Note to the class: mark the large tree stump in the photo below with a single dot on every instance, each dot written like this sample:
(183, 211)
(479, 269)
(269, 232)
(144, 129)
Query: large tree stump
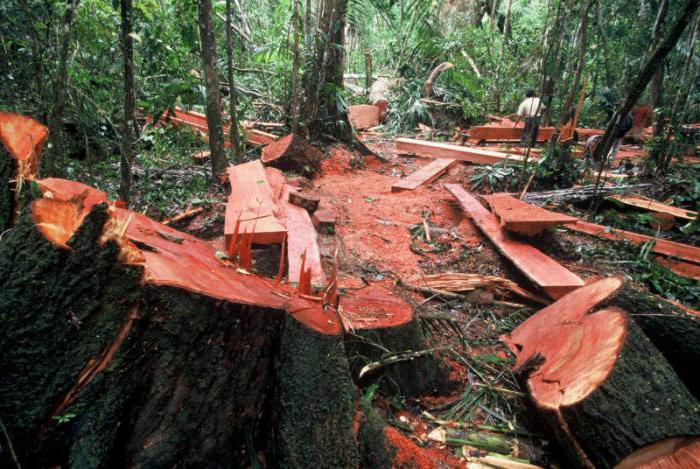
(292, 153)
(606, 391)
(128, 343)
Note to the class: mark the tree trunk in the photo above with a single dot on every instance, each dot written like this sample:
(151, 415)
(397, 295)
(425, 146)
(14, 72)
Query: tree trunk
(296, 62)
(291, 153)
(657, 80)
(234, 134)
(55, 149)
(127, 155)
(616, 395)
(37, 50)
(368, 70)
(211, 83)
(581, 62)
(639, 84)
(609, 83)
(324, 79)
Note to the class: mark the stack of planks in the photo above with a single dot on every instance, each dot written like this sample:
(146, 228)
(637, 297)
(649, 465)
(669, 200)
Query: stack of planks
(501, 133)
(258, 211)
(543, 271)
(523, 218)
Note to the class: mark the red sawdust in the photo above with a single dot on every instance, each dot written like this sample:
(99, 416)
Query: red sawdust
(372, 222)
(408, 454)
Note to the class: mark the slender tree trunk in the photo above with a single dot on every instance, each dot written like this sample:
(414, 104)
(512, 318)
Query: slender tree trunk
(296, 62)
(606, 48)
(368, 70)
(642, 80)
(51, 157)
(506, 25)
(583, 22)
(211, 83)
(549, 84)
(233, 124)
(127, 12)
(657, 81)
(494, 12)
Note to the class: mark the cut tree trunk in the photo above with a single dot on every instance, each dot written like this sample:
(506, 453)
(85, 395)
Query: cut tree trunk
(162, 355)
(605, 390)
(292, 153)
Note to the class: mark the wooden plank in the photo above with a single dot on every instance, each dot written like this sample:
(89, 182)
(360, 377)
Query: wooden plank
(521, 217)
(364, 116)
(445, 150)
(252, 205)
(496, 133)
(424, 175)
(302, 243)
(684, 269)
(653, 206)
(542, 270)
(661, 246)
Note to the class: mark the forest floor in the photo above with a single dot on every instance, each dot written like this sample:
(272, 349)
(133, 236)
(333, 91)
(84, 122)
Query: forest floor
(380, 239)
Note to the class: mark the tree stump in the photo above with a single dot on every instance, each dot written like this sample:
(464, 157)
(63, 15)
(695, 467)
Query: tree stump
(128, 343)
(606, 391)
(292, 153)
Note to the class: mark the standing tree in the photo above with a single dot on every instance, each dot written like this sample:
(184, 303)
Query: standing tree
(233, 123)
(582, 26)
(657, 81)
(322, 110)
(59, 92)
(211, 84)
(127, 12)
(296, 61)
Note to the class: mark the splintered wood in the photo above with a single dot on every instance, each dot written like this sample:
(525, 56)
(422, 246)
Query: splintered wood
(425, 175)
(653, 206)
(444, 150)
(523, 218)
(251, 208)
(542, 270)
(461, 282)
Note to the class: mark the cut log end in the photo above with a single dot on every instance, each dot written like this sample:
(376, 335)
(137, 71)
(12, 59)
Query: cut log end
(291, 153)
(679, 452)
(374, 308)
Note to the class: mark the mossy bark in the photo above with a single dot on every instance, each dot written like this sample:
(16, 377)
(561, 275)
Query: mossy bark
(673, 331)
(422, 375)
(7, 193)
(641, 402)
(187, 380)
(374, 452)
(315, 401)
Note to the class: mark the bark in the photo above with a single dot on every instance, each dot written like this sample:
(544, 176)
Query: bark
(324, 78)
(580, 63)
(506, 25)
(153, 376)
(640, 82)
(234, 134)
(296, 62)
(127, 154)
(54, 150)
(657, 80)
(7, 190)
(211, 83)
(674, 331)
(37, 50)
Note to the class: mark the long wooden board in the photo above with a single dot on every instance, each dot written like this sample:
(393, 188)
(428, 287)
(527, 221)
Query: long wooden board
(684, 269)
(653, 206)
(542, 270)
(252, 205)
(661, 246)
(302, 243)
(445, 150)
(425, 175)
